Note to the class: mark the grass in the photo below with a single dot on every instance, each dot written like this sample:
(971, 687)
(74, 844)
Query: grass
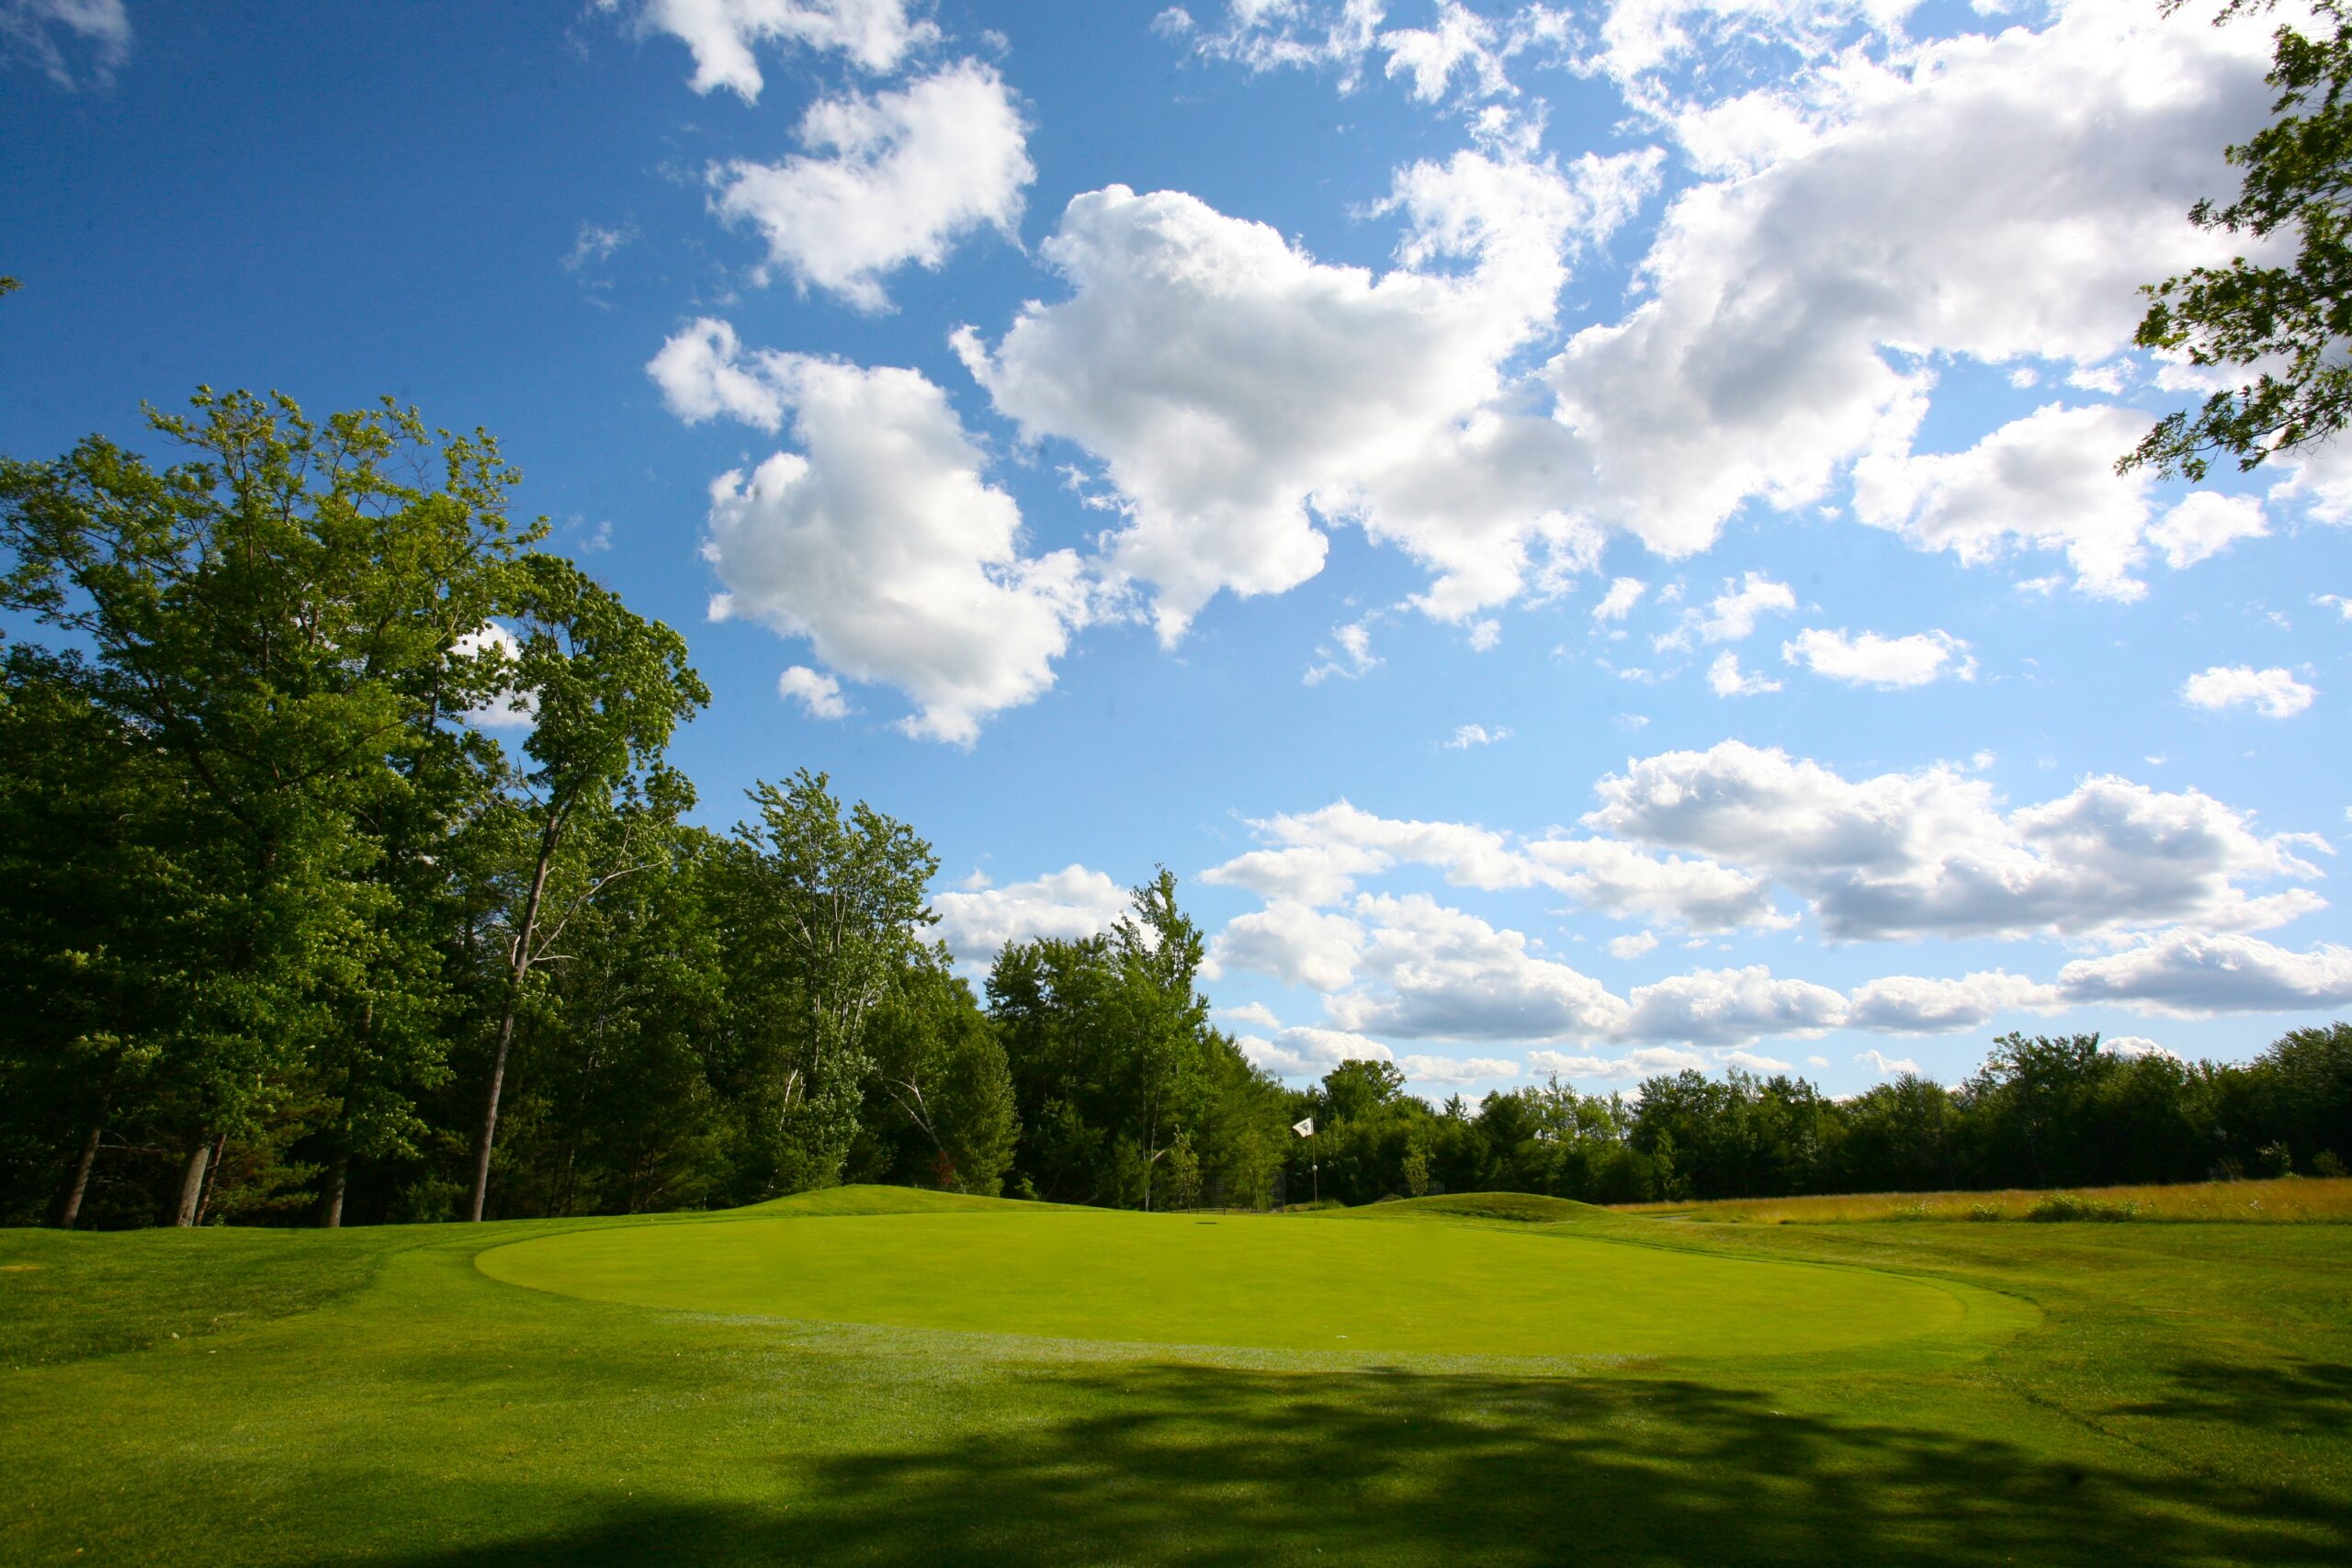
(2169, 1394)
(2293, 1199)
(1247, 1281)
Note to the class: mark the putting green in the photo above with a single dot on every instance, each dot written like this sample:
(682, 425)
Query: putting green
(1429, 1288)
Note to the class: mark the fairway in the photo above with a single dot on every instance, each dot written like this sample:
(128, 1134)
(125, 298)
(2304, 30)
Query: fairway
(1254, 1281)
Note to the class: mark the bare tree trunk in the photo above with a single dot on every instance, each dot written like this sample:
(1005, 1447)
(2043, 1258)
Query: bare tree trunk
(338, 1177)
(490, 1111)
(211, 1177)
(70, 1210)
(518, 971)
(192, 1181)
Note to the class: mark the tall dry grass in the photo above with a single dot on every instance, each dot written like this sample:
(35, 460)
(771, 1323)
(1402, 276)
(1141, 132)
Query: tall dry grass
(2294, 1199)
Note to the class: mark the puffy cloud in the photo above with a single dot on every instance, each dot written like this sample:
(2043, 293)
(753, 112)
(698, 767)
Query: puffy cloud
(1439, 974)
(1470, 856)
(1307, 873)
(1453, 1072)
(1887, 1067)
(880, 541)
(2276, 694)
(2204, 525)
(1794, 314)
(1321, 854)
(1725, 679)
(509, 709)
(723, 34)
(1344, 36)
(1643, 1064)
(1907, 1004)
(1253, 1012)
(1073, 902)
(1235, 389)
(2189, 973)
(1624, 593)
(1888, 663)
(819, 696)
(76, 44)
(1755, 1062)
(1353, 658)
(1291, 942)
(1731, 615)
(704, 372)
(1620, 880)
(2046, 482)
(1632, 945)
(1471, 735)
(1730, 1006)
(1934, 852)
(891, 178)
(1308, 1052)
(2134, 1045)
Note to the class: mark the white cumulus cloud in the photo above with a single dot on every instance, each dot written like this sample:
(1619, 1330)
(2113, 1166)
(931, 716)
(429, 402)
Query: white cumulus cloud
(819, 695)
(1888, 663)
(724, 35)
(1935, 852)
(2275, 694)
(890, 178)
(1074, 902)
(880, 541)
(2189, 973)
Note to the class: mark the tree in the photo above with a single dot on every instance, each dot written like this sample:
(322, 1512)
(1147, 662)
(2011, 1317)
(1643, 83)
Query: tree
(2284, 326)
(825, 911)
(942, 1088)
(264, 623)
(605, 689)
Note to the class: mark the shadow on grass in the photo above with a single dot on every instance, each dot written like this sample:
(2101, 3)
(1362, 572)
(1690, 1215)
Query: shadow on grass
(2313, 1397)
(1198, 1466)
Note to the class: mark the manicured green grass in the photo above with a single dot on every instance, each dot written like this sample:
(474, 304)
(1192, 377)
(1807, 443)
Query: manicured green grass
(1253, 1281)
(2154, 1394)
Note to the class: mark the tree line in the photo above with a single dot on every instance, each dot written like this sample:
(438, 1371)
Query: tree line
(289, 934)
(2040, 1111)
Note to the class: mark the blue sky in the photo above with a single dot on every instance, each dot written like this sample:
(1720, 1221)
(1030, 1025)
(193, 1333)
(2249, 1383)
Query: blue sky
(1585, 534)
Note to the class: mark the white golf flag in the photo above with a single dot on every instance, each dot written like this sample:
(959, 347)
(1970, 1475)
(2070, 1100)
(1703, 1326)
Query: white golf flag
(1303, 1129)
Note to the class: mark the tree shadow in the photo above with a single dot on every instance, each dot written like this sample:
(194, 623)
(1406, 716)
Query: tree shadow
(2313, 1397)
(1209, 1467)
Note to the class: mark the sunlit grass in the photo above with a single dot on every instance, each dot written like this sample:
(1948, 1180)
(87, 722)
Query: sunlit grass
(380, 1398)
(2294, 1199)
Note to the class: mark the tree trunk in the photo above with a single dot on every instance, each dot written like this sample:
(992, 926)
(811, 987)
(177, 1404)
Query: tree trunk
(338, 1177)
(211, 1177)
(490, 1111)
(518, 971)
(71, 1209)
(192, 1181)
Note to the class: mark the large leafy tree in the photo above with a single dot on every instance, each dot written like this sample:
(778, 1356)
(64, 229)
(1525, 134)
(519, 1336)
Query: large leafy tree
(604, 689)
(2281, 323)
(266, 623)
(825, 911)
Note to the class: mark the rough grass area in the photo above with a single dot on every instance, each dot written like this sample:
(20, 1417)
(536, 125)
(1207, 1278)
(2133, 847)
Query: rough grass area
(2171, 1395)
(2294, 1199)
(1520, 1208)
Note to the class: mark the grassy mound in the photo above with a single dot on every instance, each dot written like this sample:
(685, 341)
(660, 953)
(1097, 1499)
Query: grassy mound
(861, 1200)
(1247, 1281)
